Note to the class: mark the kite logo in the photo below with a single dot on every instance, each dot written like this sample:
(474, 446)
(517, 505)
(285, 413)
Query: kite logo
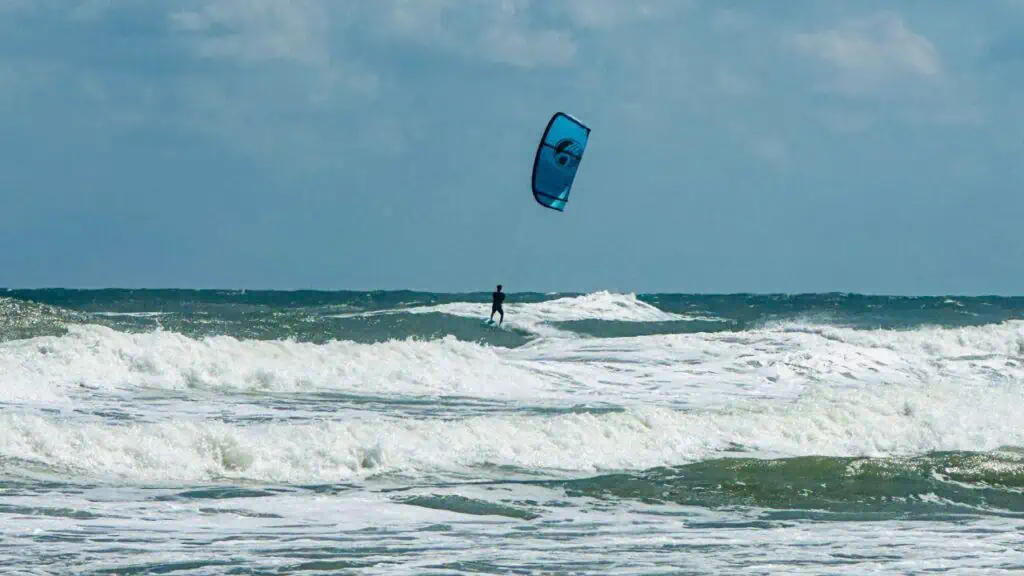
(568, 153)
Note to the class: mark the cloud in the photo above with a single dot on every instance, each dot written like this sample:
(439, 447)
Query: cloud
(730, 20)
(880, 57)
(872, 55)
(607, 14)
(9, 6)
(88, 10)
(503, 32)
(259, 30)
(274, 74)
(508, 45)
(772, 150)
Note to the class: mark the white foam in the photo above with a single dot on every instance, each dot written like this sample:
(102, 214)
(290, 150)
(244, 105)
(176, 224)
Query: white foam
(537, 317)
(596, 306)
(866, 420)
(688, 370)
(131, 314)
(789, 390)
(100, 358)
(785, 390)
(715, 369)
(114, 530)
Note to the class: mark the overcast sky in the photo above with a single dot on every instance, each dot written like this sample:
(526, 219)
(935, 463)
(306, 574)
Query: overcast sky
(794, 146)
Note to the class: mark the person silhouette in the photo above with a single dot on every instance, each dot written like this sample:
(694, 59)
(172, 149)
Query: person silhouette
(497, 299)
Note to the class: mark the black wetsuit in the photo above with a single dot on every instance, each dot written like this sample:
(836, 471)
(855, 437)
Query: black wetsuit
(497, 298)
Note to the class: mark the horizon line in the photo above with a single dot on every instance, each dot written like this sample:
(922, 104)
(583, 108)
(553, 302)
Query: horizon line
(9, 289)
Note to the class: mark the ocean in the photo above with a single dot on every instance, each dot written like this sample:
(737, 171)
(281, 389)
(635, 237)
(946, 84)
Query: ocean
(245, 432)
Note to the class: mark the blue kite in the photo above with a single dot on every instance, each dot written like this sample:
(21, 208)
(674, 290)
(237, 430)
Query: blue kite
(558, 158)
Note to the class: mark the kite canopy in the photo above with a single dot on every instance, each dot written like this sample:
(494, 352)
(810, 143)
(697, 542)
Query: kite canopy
(558, 157)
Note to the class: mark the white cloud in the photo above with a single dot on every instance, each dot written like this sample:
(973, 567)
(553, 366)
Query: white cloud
(518, 33)
(872, 54)
(773, 150)
(309, 76)
(731, 20)
(518, 47)
(88, 10)
(611, 13)
(881, 56)
(259, 30)
(503, 32)
(299, 31)
(15, 5)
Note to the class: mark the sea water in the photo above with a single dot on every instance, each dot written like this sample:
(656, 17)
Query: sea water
(219, 432)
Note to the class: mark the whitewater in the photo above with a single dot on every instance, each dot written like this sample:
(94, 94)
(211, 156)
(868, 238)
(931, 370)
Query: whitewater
(235, 432)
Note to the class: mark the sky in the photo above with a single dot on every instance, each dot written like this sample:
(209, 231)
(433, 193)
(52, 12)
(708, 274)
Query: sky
(798, 146)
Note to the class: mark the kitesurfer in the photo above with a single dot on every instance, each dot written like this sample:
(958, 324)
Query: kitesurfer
(497, 298)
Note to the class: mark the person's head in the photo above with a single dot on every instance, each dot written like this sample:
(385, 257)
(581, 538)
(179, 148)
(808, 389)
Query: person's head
(499, 287)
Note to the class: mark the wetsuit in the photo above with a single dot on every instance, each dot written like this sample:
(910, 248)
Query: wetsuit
(497, 298)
